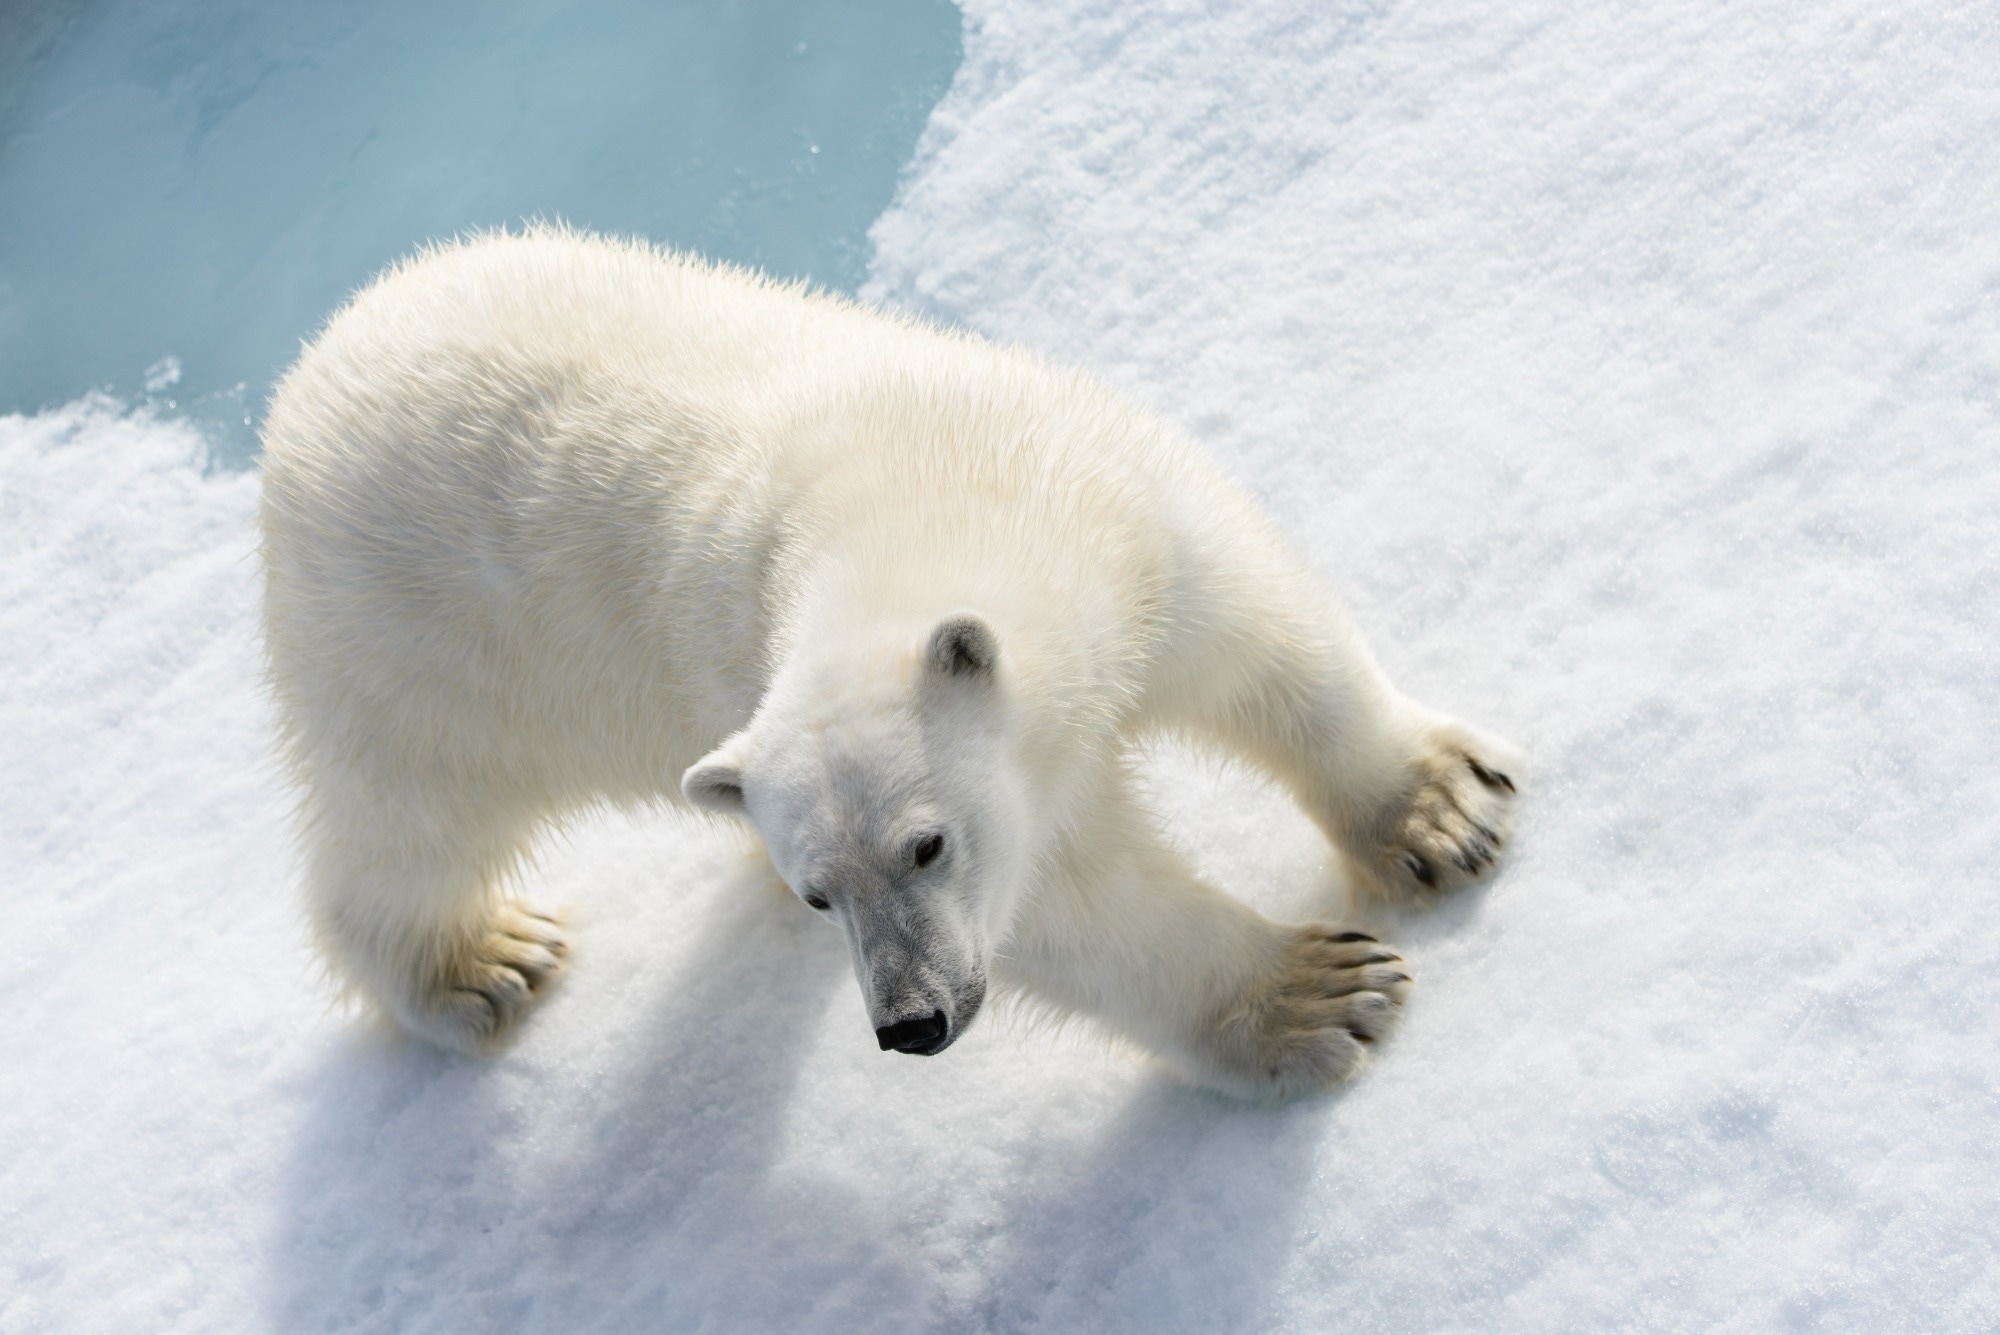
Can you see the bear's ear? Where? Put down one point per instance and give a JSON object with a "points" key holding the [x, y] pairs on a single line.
{"points": [[963, 645], [715, 782]]}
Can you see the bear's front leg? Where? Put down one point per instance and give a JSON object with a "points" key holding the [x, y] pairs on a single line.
{"points": [[456, 974], [1261, 660], [404, 903], [1123, 931], [1417, 803]]}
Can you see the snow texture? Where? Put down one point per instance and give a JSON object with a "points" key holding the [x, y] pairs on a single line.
{"points": [[1632, 369]]}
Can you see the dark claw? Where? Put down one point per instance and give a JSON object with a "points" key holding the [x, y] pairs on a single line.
{"points": [[1491, 778], [1347, 937], [1402, 978], [492, 1002], [1421, 870], [1377, 959], [1360, 1037]]}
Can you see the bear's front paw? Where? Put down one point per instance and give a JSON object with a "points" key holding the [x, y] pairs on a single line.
{"points": [[490, 980], [1307, 1024], [1456, 824]]}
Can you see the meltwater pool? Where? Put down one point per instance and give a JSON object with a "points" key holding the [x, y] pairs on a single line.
{"points": [[188, 187]]}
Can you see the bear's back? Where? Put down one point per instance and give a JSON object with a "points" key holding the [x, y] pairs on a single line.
{"points": [[553, 328], [575, 483], [491, 450]]}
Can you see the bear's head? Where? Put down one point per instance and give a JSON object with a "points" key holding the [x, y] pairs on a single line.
{"points": [[884, 787]]}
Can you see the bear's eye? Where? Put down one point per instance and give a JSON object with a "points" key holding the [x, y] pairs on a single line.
{"points": [[927, 849], [814, 901]]}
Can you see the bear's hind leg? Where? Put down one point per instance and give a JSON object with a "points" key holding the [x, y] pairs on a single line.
{"points": [[413, 922], [1123, 930]]}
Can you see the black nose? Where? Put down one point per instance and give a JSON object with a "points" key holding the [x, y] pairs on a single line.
{"points": [[919, 1036]]}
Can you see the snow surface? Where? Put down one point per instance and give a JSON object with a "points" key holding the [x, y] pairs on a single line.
{"points": [[1635, 370]]}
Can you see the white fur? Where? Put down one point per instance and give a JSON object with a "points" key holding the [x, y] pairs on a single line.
{"points": [[551, 519]]}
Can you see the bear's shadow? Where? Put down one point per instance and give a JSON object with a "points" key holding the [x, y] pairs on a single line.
{"points": [[1178, 1215], [419, 1194], [1182, 1213], [416, 1195]]}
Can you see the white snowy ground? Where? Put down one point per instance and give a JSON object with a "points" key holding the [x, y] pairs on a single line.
{"points": [[1634, 370]]}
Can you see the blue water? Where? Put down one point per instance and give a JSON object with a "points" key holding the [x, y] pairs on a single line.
{"points": [[188, 187]]}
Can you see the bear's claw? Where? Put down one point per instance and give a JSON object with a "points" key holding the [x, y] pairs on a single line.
{"points": [[1454, 827], [1306, 1026], [490, 983]]}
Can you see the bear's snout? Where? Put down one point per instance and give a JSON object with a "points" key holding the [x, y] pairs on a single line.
{"points": [[924, 1035]]}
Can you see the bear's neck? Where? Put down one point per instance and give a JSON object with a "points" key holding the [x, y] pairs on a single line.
{"points": [[1066, 662]]}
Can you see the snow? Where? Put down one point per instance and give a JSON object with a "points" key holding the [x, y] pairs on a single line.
{"points": [[1630, 369]]}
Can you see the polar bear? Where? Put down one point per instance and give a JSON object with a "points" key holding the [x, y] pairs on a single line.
{"points": [[552, 520]]}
